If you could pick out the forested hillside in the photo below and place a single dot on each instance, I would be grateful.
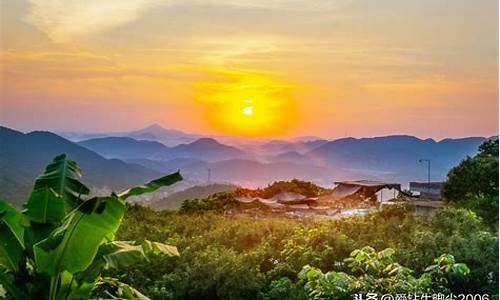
(23, 157)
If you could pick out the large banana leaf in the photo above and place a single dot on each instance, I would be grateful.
(45, 209)
(45, 206)
(73, 245)
(13, 219)
(62, 176)
(11, 237)
(152, 185)
(10, 249)
(125, 254)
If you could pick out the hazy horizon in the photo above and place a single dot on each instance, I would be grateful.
(241, 138)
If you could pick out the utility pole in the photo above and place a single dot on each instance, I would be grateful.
(209, 175)
(428, 172)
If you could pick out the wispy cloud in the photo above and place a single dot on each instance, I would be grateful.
(67, 20)
(64, 20)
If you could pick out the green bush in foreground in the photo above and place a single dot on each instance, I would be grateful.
(59, 245)
(377, 272)
(244, 258)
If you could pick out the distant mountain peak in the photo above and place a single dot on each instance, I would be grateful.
(154, 126)
(207, 148)
(206, 141)
(156, 131)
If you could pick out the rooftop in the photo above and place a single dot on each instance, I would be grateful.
(369, 183)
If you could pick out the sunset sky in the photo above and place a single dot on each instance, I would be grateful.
(328, 68)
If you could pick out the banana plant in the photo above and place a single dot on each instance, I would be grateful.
(59, 245)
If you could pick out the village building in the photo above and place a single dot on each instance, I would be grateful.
(348, 198)
(427, 190)
(366, 190)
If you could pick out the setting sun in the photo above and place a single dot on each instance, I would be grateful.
(248, 110)
(246, 103)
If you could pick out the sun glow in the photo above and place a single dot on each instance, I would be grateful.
(248, 104)
(248, 110)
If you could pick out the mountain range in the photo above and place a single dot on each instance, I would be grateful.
(128, 148)
(393, 158)
(154, 132)
(115, 162)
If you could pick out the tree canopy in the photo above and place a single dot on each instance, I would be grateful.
(474, 182)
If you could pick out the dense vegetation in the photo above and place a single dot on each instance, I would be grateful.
(378, 272)
(474, 183)
(226, 258)
(305, 188)
(219, 202)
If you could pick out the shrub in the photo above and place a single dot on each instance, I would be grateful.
(271, 252)
(218, 202)
(305, 188)
(377, 272)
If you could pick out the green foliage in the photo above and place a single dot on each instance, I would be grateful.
(62, 177)
(11, 237)
(474, 183)
(45, 206)
(229, 258)
(93, 221)
(489, 148)
(152, 185)
(378, 272)
(218, 202)
(305, 188)
(461, 232)
(284, 288)
(59, 245)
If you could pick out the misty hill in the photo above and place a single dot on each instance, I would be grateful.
(125, 147)
(290, 156)
(174, 200)
(263, 173)
(24, 156)
(396, 156)
(155, 132)
(279, 146)
(248, 172)
(168, 166)
(167, 136)
(385, 158)
(206, 149)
